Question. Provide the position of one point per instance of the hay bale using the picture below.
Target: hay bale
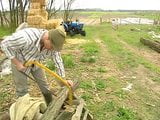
(42, 2)
(44, 14)
(53, 23)
(35, 5)
(34, 26)
(40, 12)
(32, 1)
(34, 20)
(33, 12)
(43, 25)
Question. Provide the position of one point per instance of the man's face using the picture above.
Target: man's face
(48, 44)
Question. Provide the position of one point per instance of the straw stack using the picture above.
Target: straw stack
(38, 16)
(54, 23)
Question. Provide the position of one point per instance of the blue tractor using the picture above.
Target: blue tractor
(73, 28)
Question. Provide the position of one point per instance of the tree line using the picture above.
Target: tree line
(17, 12)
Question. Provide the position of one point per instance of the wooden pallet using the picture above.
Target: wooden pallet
(59, 109)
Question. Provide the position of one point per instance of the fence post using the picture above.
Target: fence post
(139, 20)
(101, 20)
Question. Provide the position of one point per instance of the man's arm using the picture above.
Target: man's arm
(11, 44)
(60, 67)
(9, 47)
(58, 63)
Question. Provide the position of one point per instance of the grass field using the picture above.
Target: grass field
(106, 14)
(105, 62)
(121, 62)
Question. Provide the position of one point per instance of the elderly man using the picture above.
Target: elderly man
(31, 44)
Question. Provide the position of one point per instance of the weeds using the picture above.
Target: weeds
(4, 31)
(121, 94)
(50, 64)
(86, 59)
(87, 96)
(156, 79)
(125, 114)
(102, 70)
(101, 84)
(68, 61)
(86, 85)
(90, 49)
(110, 106)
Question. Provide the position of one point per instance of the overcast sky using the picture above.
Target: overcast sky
(115, 4)
(119, 4)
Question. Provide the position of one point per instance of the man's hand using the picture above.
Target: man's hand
(70, 83)
(18, 64)
(20, 67)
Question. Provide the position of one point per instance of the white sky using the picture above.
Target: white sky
(119, 4)
(115, 4)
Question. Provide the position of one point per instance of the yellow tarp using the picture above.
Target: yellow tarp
(27, 108)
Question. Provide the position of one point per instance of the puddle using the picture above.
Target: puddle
(132, 21)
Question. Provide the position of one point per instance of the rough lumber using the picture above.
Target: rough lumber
(155, 45)
(55, 106)
(89, 116)
(77, 115)
(65, 114)
(85, 114)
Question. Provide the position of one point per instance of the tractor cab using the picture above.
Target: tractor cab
(73, 28)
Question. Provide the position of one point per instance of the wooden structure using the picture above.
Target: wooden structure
(59, 109)
(38, 16)
(153, 44)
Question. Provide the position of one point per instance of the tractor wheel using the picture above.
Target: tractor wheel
(83, 33)
(71, 33)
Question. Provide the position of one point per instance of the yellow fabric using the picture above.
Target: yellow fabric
(26, 108)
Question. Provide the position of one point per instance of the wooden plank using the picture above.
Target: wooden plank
(152, 44)
(85, 114)
(55, 106)
(77, 115)
(64, 115)
(89, 117)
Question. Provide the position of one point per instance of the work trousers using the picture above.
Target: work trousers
(21, 81)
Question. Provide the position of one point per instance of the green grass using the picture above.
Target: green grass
(91, 51)
(68, 61)
(127, 61)
(110, 106)
(87, 96)
(86, 85)
(100, 84)
(50, 64)
(4, 31)
(86, 59)
(102, 69)
(98, 14)
(156, 79)
(125, 114)
(125, 58)
(111, 111)
(150, 15)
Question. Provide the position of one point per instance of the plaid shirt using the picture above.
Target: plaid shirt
(25, 46)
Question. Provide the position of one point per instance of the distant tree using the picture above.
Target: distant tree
(17, 11)
(23, 5)
(51, 9)
(67, 15)
(3, 18)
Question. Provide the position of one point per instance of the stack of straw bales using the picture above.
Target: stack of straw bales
(38, 16)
